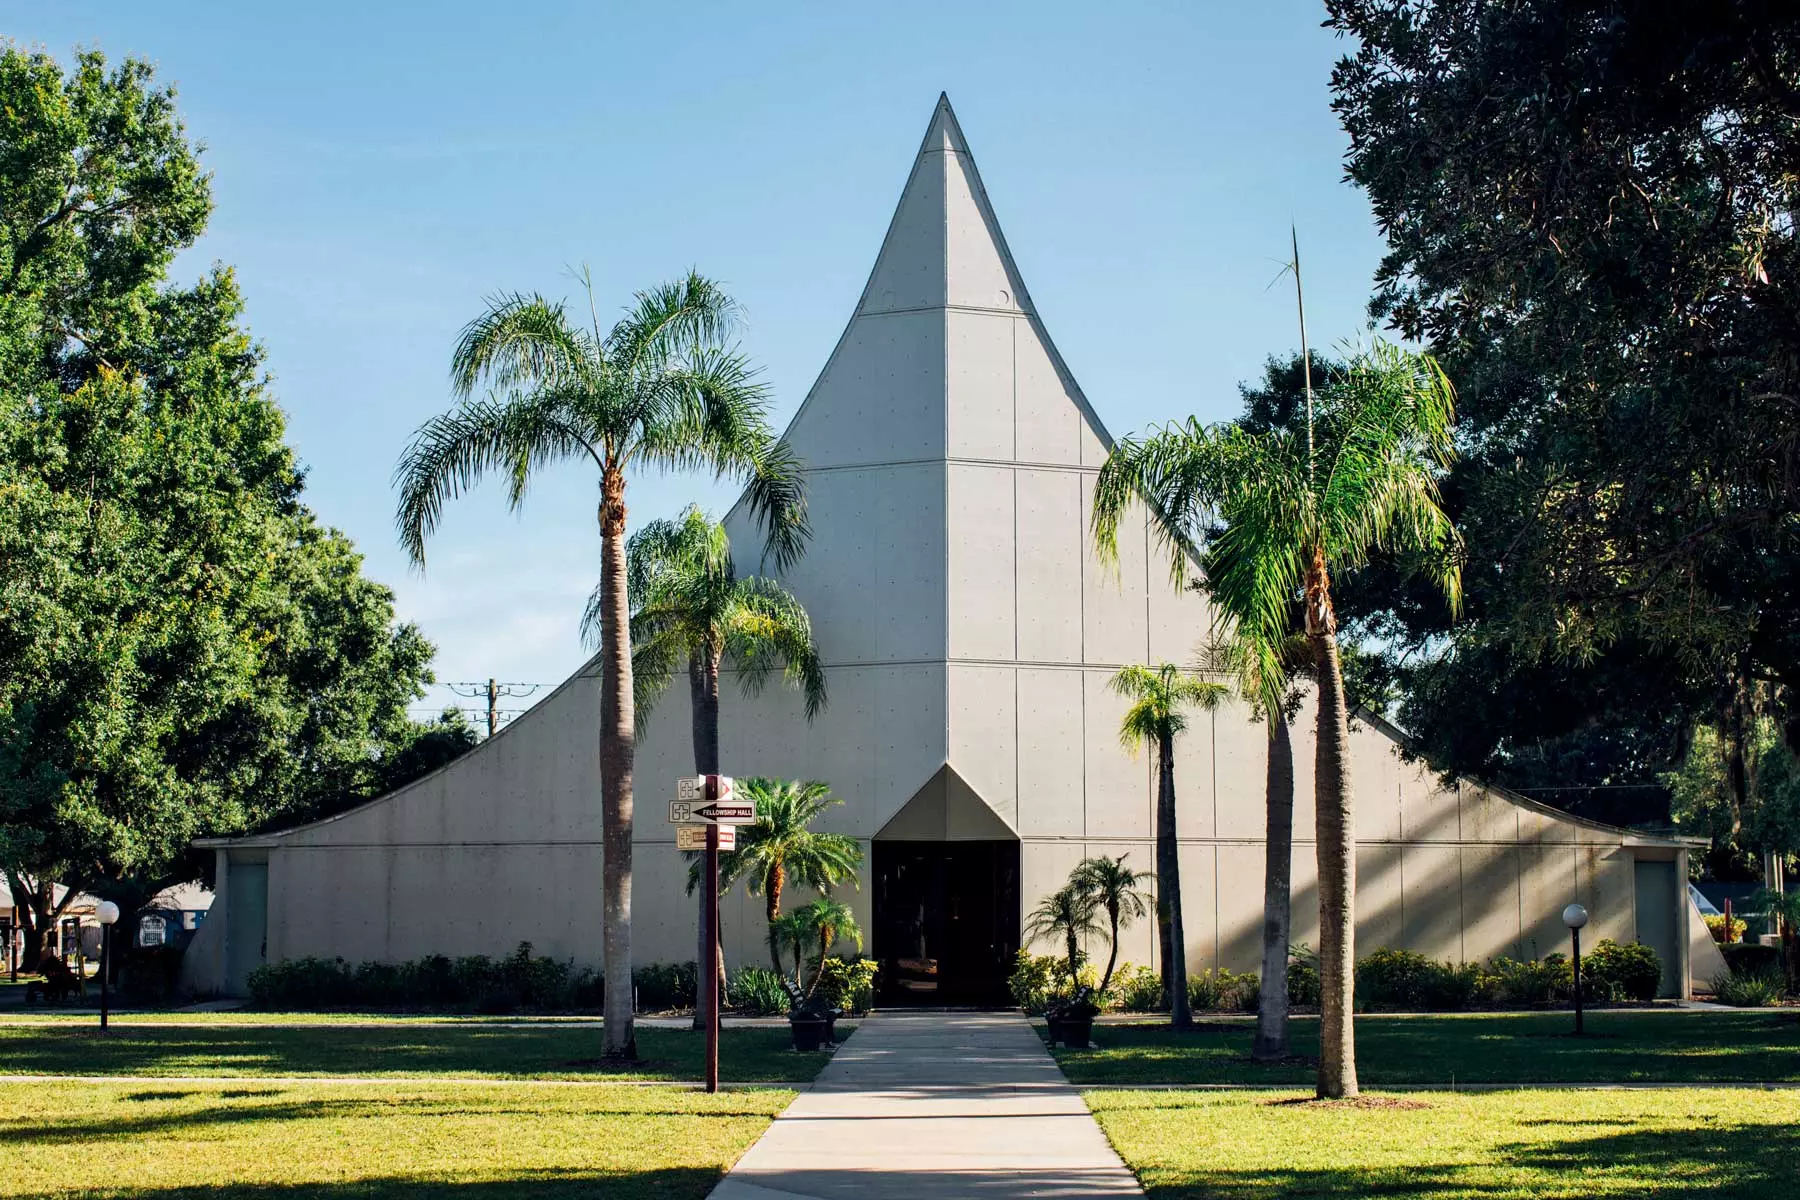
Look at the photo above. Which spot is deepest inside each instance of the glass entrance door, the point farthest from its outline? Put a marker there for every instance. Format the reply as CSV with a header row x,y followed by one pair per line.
x,y
946,921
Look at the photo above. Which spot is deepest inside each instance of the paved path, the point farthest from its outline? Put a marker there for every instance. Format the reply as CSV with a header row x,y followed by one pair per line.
x,y
934,1105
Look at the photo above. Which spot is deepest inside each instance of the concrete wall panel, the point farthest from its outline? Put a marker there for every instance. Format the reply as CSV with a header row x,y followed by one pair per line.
x,y
975,275
1050,519
1200,907
1433,920
1114,614
984,722
979,374
1490,902
982,563
1381,898
1052,777
1120,799
1050,426
1240,891
893,367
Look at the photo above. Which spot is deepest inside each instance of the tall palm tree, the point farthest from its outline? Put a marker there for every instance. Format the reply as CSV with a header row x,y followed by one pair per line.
x,y
1069,913
779,848
828,921
1160,695
1291,511
1116,890
1259,669
690,607
661,389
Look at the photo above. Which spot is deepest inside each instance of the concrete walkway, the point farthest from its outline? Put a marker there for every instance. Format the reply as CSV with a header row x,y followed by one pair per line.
x,y
934,1105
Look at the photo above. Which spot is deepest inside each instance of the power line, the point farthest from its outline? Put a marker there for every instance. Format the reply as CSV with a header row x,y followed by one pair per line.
x,y
493,691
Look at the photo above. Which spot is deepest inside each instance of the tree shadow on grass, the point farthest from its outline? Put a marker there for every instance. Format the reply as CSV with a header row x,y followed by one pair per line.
x,y
1750,1161
671,1183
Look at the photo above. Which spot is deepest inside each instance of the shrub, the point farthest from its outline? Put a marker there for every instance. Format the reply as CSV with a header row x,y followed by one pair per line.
x,y
1509,983
757,992
475,982
849,983
1752,958
1039,978
1405,981
1303,976
666,985
1621,972
1728,934
1137,989
1751,990
1223,991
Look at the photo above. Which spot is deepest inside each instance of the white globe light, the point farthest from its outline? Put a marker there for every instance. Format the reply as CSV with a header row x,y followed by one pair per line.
x,y
1575,916
107,911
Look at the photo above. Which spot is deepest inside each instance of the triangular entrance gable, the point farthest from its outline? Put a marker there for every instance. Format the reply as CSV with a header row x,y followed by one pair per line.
x,y
946,809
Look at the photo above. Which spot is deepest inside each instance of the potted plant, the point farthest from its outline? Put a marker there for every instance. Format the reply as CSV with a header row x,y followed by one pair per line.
x,y
808,1019
1071,1018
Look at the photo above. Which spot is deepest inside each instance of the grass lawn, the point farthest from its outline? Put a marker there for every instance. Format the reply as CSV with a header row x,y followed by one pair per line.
x,y
399,1048
1726,1144
407,1142
1619,1047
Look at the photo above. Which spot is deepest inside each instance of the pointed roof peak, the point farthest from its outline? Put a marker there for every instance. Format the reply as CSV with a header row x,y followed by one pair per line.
x,y
943,249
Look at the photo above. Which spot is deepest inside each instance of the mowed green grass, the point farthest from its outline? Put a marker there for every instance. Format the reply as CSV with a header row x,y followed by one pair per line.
x,y
507,1141
398,1048
1619,1047
1727,1144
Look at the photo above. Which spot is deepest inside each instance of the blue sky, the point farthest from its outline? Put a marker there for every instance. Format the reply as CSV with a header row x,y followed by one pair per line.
x,y
380,168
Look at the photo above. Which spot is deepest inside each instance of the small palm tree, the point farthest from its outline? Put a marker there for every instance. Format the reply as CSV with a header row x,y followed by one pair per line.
x,y
1160,695
779,847
661,389
1293,510
1069,913
790,931
826,921
1116,890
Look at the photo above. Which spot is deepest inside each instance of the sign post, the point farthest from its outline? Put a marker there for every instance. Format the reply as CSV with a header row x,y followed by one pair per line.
x,y
702,804
710,975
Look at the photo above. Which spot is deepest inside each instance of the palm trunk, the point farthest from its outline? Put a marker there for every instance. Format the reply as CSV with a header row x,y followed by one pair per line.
x,y
773,890
1337,879
703,692
1112,955
618,752
1278,909
1168,889
1074,950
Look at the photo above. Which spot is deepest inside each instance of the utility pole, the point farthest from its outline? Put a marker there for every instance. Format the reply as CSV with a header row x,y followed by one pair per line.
x,y
493,693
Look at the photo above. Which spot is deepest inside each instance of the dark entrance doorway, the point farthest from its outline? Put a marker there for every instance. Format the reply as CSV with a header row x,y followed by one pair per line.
x,y
946,921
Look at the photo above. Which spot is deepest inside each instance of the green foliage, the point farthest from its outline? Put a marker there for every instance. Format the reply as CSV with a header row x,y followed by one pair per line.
x,y
1405,981
780,847
1159,696
1137,989
666,985
1629,971
848,983
688,605
474,983
757,992
1570,195
1725,930
1303,976
1223,991
1509,983
1751,958
1070,913
1751,989
184,649
1037,980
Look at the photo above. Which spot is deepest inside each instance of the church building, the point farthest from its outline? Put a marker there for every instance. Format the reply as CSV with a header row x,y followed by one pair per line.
x,y
968,630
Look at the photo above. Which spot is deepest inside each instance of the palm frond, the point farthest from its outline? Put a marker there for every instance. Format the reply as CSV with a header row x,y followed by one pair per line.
x,y
777,498
768,629
450,453
520,343
664,321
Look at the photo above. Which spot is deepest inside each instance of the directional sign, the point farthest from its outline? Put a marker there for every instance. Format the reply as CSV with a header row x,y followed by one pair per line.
x,y
692,788
693,837
732,812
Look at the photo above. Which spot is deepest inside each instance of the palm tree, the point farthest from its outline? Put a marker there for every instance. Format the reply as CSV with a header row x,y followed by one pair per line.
x,y
689,607
828,921
1293,511
1116,890
1071,913
1156,718
661,389
1259,669
790,930
778,848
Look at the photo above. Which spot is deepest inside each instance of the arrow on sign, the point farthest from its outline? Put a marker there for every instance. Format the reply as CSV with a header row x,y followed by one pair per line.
x,y
716,813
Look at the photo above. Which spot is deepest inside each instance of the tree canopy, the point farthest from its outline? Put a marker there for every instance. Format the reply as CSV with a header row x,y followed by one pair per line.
x,y
185,649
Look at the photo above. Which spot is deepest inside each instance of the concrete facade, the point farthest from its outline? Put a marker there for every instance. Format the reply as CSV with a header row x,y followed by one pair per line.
x,y
969,631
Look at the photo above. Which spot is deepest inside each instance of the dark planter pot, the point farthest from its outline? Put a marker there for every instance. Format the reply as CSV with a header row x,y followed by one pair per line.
x,y
809,1032
1074,1032
831,1019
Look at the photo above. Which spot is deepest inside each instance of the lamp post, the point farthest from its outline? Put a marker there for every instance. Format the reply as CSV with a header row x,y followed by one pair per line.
x,y
108,912
1575,917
